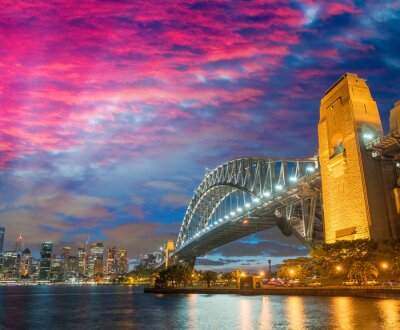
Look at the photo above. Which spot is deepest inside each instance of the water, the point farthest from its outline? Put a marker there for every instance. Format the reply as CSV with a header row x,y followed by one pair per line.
x,y
123,307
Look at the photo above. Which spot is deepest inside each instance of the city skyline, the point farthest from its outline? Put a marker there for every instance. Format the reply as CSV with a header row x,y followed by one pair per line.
x,y
110,121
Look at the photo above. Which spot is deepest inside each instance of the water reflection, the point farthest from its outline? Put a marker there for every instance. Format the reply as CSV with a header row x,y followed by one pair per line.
x,y
193,311
343,312
123,308
389,310
295,312
245,314
266,314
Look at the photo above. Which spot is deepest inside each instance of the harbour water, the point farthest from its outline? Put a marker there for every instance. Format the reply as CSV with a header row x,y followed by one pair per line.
x,y
125,307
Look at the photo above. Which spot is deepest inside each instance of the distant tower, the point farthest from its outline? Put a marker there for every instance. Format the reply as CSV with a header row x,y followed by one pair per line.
x,y
19,245
2,233
111,266
95,264
82,261
168,251
122,264
45,260
353,189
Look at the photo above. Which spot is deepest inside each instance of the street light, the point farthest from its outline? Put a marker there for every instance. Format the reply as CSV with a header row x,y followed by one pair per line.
x,y
338,268
384,265
262,274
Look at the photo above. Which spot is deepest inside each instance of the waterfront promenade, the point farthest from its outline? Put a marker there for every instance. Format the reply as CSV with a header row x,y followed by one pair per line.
x,y
332,291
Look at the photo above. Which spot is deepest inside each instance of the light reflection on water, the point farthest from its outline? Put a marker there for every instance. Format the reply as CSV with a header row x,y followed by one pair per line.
x,y
121,307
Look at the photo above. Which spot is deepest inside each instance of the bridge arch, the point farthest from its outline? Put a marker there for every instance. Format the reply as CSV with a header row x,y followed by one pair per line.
x,y
230,191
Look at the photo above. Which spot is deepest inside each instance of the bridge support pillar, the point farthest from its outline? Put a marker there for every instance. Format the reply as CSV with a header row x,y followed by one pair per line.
x,y
353,187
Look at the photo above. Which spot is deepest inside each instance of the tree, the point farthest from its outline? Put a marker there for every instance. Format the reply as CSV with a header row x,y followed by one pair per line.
x,y
236,275
228,277
362,270
326,257
300,268
209,276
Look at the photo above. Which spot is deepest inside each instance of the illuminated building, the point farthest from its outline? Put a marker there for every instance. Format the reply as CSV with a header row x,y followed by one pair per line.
x,y
355,187
95,264
2,234
73,266
122,261
11,265
111,267
82,261
45,260
56,271
65,254
26,263
19,245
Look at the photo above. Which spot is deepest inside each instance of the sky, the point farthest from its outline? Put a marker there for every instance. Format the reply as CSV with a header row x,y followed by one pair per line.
x,y
112,110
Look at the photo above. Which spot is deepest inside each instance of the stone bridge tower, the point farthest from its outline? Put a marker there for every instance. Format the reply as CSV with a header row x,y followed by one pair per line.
x,y
354,191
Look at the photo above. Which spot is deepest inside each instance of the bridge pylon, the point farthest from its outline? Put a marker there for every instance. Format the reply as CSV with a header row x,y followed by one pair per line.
x,y
356,194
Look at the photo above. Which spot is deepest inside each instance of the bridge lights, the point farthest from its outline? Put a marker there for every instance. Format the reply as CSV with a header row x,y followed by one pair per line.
x,y
256,200
239,209
247,205
220,220
226,217
232,213
310,169
245,221
279,187
293,179
368,137
266,194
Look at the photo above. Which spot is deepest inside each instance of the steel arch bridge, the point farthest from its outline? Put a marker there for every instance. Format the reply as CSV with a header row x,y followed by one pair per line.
x,y
247,195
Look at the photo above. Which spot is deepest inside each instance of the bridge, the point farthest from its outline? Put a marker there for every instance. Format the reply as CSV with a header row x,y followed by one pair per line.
x,y
356,168
248,195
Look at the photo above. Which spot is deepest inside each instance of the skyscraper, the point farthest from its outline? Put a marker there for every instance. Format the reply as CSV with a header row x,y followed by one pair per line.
x,y
111,260
122,261
95,266
56,273
65,254
82,261
2,233
45,260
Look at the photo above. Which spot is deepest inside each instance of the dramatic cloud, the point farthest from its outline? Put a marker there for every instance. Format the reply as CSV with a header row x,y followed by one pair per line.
x,y
110,111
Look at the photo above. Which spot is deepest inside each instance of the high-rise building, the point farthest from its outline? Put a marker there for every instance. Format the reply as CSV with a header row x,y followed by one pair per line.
x,y
73,266
111,260
11,265
65,254
95,265
82,261
45,260
56,273
122,261
2,234
26,263
19,245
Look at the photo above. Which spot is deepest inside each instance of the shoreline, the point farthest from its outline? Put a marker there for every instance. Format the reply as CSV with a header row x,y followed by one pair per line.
x,y
366,292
